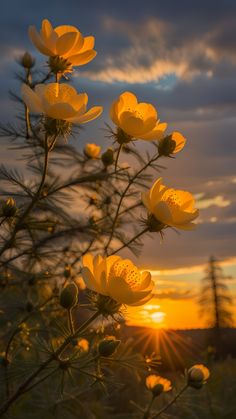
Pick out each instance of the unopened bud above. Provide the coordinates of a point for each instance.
(171, 144)
(69, 296)
(9, 208)
(67, 271)
(27, 60)
(166, 146)
(108, 346)
(198, 376)
(29, 306)
(157, 384)
(108, 157)
(92, 151)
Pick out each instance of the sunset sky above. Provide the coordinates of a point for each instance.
(180, 56)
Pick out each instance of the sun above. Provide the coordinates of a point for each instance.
(149, 315)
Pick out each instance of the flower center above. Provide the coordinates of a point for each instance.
(172, 199)
(127, 271)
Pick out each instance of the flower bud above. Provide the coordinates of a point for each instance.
(157, 384)
(171, 144)
(67, 271)
(198, 376)
(27, 60)
(69, 296)
(166, 146)
(9, 208)
(92, 151)
(29, 307)
(108, 157)
(108, 346)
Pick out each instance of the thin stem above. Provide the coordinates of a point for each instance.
(27, 118)
(2, 221)
(23, 388)
(130, 241)
(70, 320)
(147, 411)
(170, 403)
(117, 156)
(156, 157)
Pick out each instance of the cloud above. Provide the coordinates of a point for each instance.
(218, 201)
(174, 294)
(156, 48)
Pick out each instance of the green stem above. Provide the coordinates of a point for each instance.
(23, 388)
(170, 403)
(117, 156)
(2, 221)
(156, 157)
(147, 411)
(70, 320)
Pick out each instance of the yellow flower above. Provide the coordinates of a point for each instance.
(171, 144)
(171, 207)
(198, 375)
(137, 120)
(59, 101)
(157, 384)
(64, 41)
(117, 278)
(80, 283)
(92, 151)
(83, 345)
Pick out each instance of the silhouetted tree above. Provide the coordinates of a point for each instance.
(215, 299)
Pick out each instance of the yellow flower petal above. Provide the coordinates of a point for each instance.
(83, 58)
(128, 100)
(79, 101)
(89, 280)
(88, 261)
(131, 124)
(121, 292)
(61, 111)
(62, 29)
(88, 43)
(163, 213)
(37, 41)
(156, 133)
(48, 36)
(66, 42)
(31, 99)
(93, 113)
(179, 140)
(46, 29)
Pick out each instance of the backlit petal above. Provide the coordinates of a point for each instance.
(61, 111)
(66, 42)
(93, 113)
(37, 41)
(83, 58)
(31, 99)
